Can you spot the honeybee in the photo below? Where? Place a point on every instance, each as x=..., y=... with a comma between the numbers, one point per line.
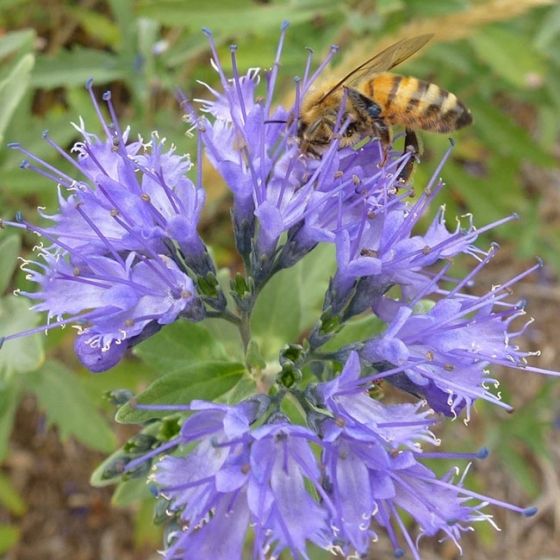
x=377, y=99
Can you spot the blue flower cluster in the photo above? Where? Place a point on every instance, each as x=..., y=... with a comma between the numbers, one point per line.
x=123, y=257
x=334, y=483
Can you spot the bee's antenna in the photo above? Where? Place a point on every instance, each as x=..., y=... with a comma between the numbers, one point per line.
x=276, y=121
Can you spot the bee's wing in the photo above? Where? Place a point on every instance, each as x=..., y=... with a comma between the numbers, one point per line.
x=383, y=61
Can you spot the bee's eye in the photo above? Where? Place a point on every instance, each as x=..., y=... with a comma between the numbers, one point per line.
x=374, y=110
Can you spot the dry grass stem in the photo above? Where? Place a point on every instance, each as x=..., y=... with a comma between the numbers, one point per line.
x=447, y=28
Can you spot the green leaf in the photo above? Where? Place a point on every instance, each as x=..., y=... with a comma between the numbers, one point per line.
x=178, y=346
x=110, y=470
x=232, y=16
x=12, y=89
x=122, y=11
x=277, y=314
x=69, y=406
x=9, y=536
x=146, y=532
x=293, y=410
x=16, y=40
x=9, y=399
x=75, y=67
x=316, y=269
x=291, y=301
x=203, y=380
x=547, y=37
x=96, y=25
x=10, y=497
x=9, y=251
x=20, y=354
x=354, y=331
x=130, y=492
x=508, y=56
x=227, y=336
x=243, y=389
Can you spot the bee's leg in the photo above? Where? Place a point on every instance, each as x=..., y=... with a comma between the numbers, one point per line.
x=369, y=112
x=311, y=137
x=411, y=147
x=383, y=133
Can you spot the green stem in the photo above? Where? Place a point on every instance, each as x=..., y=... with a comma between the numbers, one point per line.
x=244, y=326
x=226, y=314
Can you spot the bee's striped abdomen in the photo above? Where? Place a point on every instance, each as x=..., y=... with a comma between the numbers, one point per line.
x=416, y=103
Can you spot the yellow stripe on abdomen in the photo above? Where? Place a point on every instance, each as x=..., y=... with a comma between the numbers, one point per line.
x=414, y=103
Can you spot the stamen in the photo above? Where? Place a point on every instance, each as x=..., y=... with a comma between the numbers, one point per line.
x=404, y=532
x=89, y=87
x=332, y=51
x=480, y=454
x=465, y=281
x=308, y=63
x=275, y=68
x=99, y=234
x=477, y=496
x=58, y=177
x=140, y=460
x=233, y=49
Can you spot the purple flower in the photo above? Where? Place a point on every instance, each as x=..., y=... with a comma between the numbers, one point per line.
x=380, y=249
x=122, y=251
x=259, y=477
x=373, y=470
x=443, y=354
x=277, y=190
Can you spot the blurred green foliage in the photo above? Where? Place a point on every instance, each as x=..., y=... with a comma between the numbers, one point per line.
x=508, y=73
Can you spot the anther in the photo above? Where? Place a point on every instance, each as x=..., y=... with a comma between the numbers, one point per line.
x=529, y=512
x=369, y=253
x=483, y=453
